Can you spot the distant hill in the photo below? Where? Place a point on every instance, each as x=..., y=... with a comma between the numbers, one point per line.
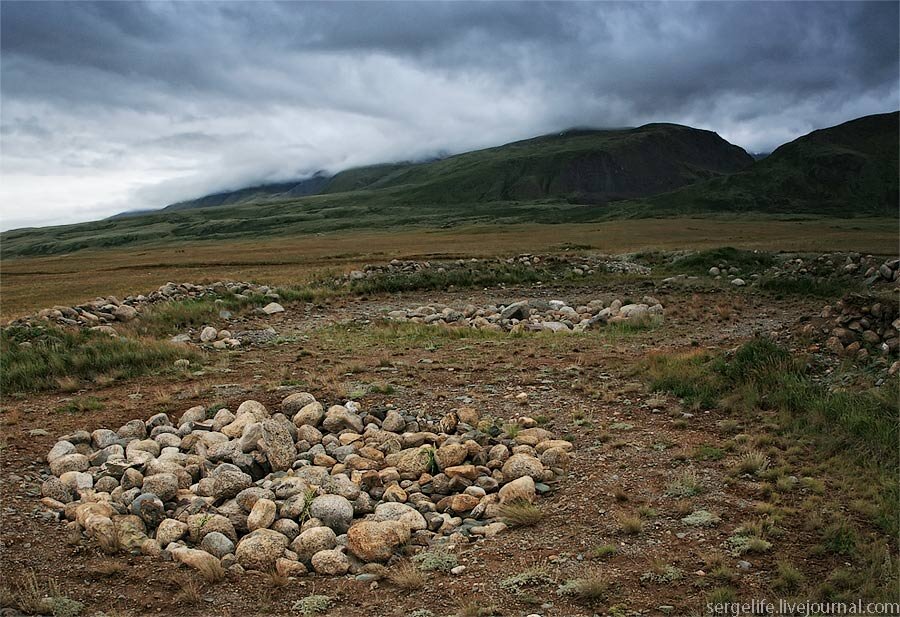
x=587, y=165
x=300, y=188
x=574, y=176
x=849, y=169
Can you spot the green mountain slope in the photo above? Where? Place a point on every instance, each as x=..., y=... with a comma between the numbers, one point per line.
x=586, y=165
x=571, y=177
x=847, y=169
x=590, y=166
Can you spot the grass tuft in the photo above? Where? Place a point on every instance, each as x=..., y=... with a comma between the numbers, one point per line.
x=520, y=513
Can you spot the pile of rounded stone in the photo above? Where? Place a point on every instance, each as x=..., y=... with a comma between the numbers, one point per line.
x=100, y=313
x=827, y=264
x=209, y=336
x=561, y=264
x=839, y=264
x=858, y=326
x=534, y=315
x=332, y=491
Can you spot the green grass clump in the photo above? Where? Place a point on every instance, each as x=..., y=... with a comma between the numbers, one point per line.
x=520, y=513
x=603, y=551
x=701, y=261
x=789, y=578
x=51, y=354
x=859, y=428
x=485, y=275
x=586, y=590
x=840, y=538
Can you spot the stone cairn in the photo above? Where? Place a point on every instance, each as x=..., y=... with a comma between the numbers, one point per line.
x=829, y=265
x=858, y=327
x=308, y=489
x=99, y=314
x=535, y=315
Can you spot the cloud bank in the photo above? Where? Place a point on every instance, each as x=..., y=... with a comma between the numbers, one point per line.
x=110, y=106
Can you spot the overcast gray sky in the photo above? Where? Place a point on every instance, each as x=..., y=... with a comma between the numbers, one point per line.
x=122, y=105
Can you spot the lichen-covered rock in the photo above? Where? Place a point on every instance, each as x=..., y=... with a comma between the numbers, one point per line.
x=313, y=540
x=520, y=489
x=262, y=516
x=413, y=461
x=376, y=540
x=260, y=549
x=170, y=530
x=278, y=445
x=331, y=562
x=519, y=465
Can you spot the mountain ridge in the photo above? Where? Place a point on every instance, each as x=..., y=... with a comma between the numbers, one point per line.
x=849, y=170
x=583, y=151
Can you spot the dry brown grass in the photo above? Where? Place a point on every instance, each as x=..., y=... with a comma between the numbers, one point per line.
x=407, y=577
x=273, y=579
x=630, y=524
x=520, y=513
x=213, y=572
x=107, y=568
x=30, y=284
x=189, y=590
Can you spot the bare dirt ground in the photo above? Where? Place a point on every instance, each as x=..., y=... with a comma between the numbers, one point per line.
x=629, y=445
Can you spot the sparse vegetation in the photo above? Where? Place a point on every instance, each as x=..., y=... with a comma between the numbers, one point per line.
x=630, y=524
x=604, y=550
x=437, y=559
x=789, y=578
x=520, y=513
x=407, y=577
x=685, y=484
x=34, y=358
x=312, y=605
x=587, y=590
x=701, y=518
x=528, y=578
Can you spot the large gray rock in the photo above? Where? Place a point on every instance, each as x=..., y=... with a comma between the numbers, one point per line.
x=217, y=544
x=334, y=511
x=310, y=414
x=519, y=465
x=331, y=562
x=516, y=310
x=69, y=462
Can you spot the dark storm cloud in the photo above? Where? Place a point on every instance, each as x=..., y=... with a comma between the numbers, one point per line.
x=130, y=105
